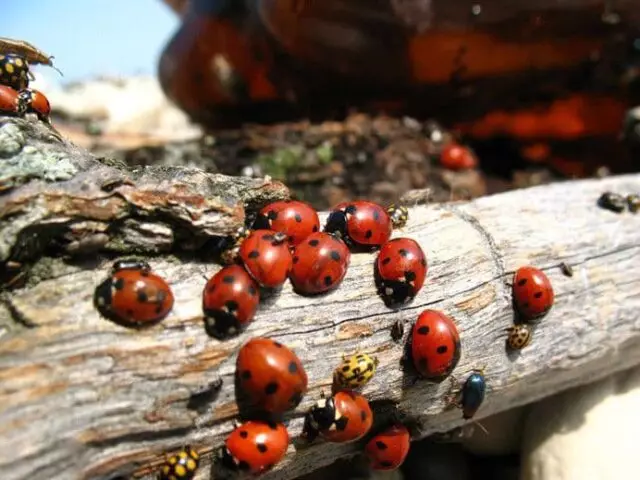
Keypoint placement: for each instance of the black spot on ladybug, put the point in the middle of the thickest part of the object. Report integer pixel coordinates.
(537, 294)
(267, 237)
(423, 330)
(335, 256)
(262, 448)
(246, 375)
(386, 261)
(350, 210)
(314, 229)
(142, 296)
(293, 367)
(244, 434)
(363, 415)
(272, 425)
(368, 234)
(442, 349)
(277, 344)
(272, 215)
(410, 276)
(328, 281)
(231, 305)
(341, 423)
(295, 259)
(522, 281)
(254, 254)
(252, 290)
(271, 388)
(119, 284)
(360, 356)
(228, 279)
(298, 217)
(386, 464)
(346, 368)
(314, 243)
(403, 252)
(381, 445)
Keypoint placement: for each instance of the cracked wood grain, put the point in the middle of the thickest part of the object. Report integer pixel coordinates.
(81, 397)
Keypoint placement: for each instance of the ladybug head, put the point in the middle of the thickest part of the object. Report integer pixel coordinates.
(323, 414)
(337, 223)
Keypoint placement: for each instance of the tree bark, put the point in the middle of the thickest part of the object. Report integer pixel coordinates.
(81, 397)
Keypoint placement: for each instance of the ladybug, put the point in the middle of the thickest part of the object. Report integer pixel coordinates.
(181, 466)
(471, 394)
(457, 157)
(343, 418)
(612, 201)
(435, 345)
(320, 263)
(229, 301)
(388, 449)
(296, 219)
(34, 101)
(532, 293)
(267, 258)
(14, 71)
(255, 446)
(230, 246)
(270, 375)
(401, 269)
(360, 223)
(399, 215)
(633, 202)
(10, 101)
(133, 294)
(355, 371)
(520, 336)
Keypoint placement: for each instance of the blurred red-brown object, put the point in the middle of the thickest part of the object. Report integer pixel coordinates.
(463, 62)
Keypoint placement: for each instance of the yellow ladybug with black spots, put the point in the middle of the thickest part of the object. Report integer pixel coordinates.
(355, 371)
(181, 466)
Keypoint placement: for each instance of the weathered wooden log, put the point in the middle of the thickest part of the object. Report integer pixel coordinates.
(81, 397)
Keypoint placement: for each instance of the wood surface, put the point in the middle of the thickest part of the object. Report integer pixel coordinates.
(81, 397)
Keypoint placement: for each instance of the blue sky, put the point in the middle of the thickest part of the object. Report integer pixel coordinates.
(92, 37)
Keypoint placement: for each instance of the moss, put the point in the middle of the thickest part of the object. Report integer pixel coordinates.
(324, 153)
(279, 163)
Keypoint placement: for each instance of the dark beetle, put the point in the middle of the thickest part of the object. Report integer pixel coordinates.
(473, 392)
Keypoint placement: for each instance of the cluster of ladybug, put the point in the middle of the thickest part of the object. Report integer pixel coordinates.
(285, 242)
(618, 203)
(16, 98)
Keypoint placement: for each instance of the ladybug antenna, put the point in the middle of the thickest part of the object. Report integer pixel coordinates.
(54, 67)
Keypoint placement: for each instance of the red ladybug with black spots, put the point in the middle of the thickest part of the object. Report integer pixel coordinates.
(255, 447)
(36, 102)
(435, 345)
(388, 449)
(320, 263)
(342, 418)
(533, 294)
(229, 301)
(361, 224)
(270, 376)
(401, 269)
(296, 219)
(10, 101)
(133, 294)
(267, 257)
